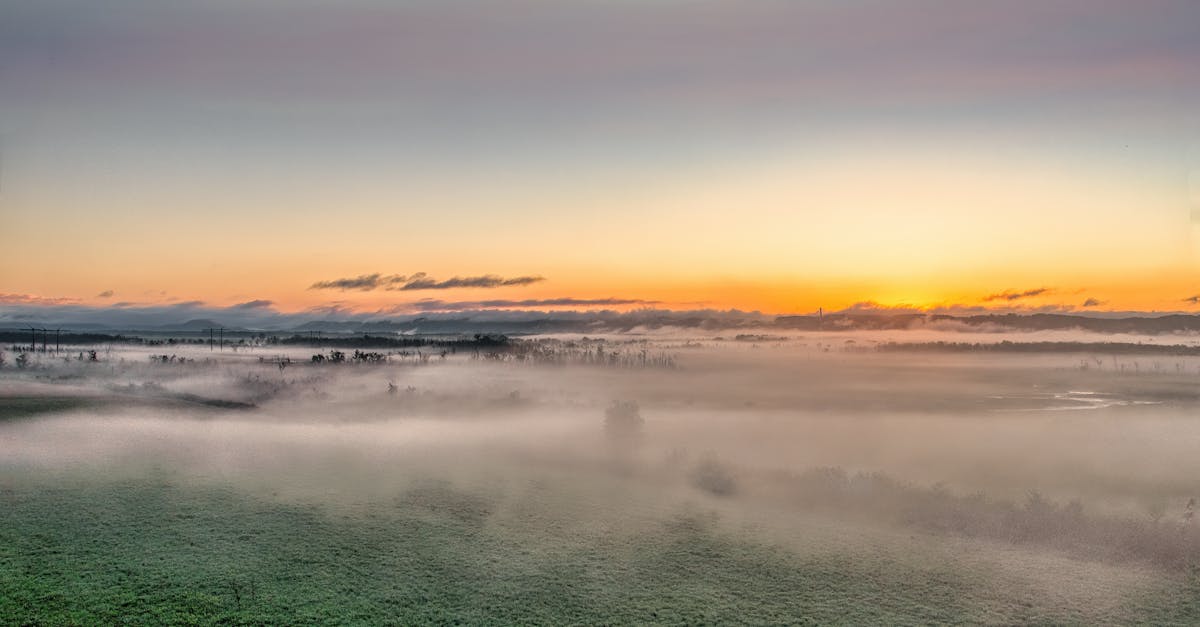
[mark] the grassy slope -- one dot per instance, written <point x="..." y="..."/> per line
<point x="155" y="551"/>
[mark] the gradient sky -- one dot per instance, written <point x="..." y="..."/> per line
<point x="770" y="155"/>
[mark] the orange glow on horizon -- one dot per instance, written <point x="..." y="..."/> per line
<point x="1166" y="292"/>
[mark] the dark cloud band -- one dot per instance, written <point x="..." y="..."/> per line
<point x="441" y="305"/>
<point x="1010" y="295"/>
<point x="421" y="281"/>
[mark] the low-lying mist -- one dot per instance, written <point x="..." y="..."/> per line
<point x="812" y="444"/>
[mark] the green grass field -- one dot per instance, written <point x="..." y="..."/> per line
<point x="158" y="550"/>
<point x="18" y="407"/>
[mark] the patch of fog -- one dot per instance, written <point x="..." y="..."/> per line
<point x="1067" y="401"/>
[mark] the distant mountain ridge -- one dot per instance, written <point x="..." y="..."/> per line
<point x="534" y="322"/>
<point x="1149" y="325"/>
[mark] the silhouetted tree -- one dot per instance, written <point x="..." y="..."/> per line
<point x="623" y="421"/>
<point x="713" y="477"/>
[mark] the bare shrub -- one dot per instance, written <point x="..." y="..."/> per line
<point x="623" y="421"/>
<point x="713" y="477"/>
<point x="1038" y="520"/>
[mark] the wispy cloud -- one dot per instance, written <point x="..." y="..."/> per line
<point x="583" y="314"/>
<point x="421" y="281"/>
<point x="955" y="309"/>
<point x="333" y="310"/>
<point x="32" y="299"/>
<point x="105" y="294"/>
<point x="1092" y="302"/>
<point x="1011" y="295"/>
<point x="872" y="307"/>
<point x="439" y="316"/>
<point x="464" y="305"/>
<point x="360" y="282"/>
<point x="1195" y="299"/>
<point x="254" y="304"/>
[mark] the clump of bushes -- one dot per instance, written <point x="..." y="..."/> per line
<point x="623" y="421"/>
<point x="161" y="359"/>
<point x="364" y="357"/>
<point x="359" y="357"/>
<point x="589" y="352"/>
<point x="713" y="477"/>
<point x="1036" y="520"/>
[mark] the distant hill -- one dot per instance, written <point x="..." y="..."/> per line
<point x="514" y="323"/>
<point x="1148" y="325"/>
<point x="198" y="324"/>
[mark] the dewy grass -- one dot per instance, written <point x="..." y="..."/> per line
<point x="17" y="407"/>
<point x="156" y="551"/>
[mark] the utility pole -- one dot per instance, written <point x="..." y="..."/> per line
<point x="33" y="331"/>
<point x="220" y="337"/>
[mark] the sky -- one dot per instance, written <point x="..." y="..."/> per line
<point x="777" y="156"/>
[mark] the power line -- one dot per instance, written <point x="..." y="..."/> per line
<point x="221" y="334"/>
<point x="33" y="331"/>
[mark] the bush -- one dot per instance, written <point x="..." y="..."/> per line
<point x="713" y="477"/>
<point x="623" y="420"/>
<point x="1038" y="520"/>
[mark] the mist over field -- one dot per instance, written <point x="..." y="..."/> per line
<point x="515" y="312"/>
<point x="766" y="479"/>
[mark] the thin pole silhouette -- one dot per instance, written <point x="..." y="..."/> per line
<point x="220" y="335"/>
